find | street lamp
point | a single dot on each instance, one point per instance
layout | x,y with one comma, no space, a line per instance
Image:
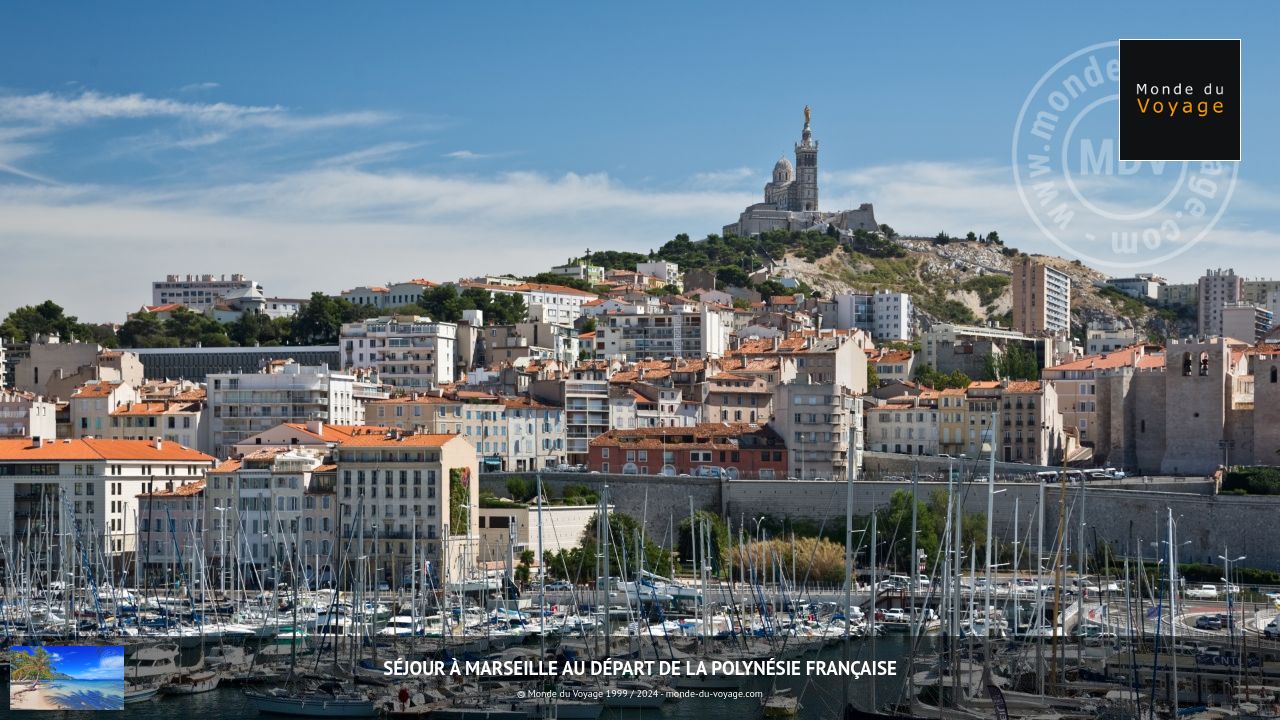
1226,570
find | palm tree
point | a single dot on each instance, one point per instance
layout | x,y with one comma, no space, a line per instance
33,666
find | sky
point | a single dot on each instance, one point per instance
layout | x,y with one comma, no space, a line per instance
85,662
323,146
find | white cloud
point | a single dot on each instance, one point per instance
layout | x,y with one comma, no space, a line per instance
110,667
197,87
469,155
733,179
51,110
365,156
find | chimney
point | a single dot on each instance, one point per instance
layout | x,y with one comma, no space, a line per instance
315,427
37,441
157,443
775,343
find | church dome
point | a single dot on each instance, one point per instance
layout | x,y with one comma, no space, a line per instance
782,171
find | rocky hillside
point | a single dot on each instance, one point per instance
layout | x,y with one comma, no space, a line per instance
968,282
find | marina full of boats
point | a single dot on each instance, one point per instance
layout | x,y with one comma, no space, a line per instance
1033,639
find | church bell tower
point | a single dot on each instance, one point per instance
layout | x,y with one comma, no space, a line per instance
806,183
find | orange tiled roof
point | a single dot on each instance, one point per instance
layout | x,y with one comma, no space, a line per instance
166,307
1023,386
1124,357
153,408
227,466
397,440
183,490
95,390
340,433
98,449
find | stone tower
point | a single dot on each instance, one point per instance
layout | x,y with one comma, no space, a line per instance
805,188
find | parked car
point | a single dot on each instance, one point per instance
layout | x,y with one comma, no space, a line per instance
1208,622
559,585
895,615
1272,630
1204,592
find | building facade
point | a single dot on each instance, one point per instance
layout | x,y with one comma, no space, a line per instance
405,351
245,404
1041,298
1215,290
198,292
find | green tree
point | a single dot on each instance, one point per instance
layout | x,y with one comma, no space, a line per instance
320,321
188,327
47,318
1015,363
873,377
521,488
894,527
141,330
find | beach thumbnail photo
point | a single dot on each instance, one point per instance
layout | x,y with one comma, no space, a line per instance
74,677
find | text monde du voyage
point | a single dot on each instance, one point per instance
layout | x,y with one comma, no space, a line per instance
1180,99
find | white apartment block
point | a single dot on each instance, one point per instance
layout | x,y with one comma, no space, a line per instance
891,313
667,272
507,532
24,414
391,295
198,292
508,433
691,330
1101,338
91,485
405,351
245,404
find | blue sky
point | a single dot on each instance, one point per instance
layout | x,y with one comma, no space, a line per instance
85,662
323,146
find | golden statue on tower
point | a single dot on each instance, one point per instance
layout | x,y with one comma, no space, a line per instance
806,114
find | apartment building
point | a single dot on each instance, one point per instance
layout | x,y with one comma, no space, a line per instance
1245,321
242,405
1030,427
732,450
393,487
1041,298
907,424
690,330
494,346
92,485
171,532
819,356
1215,290
55,369
24,414
391,295
255,515
198,292
737,398
508,433
584,394
405,351
817,421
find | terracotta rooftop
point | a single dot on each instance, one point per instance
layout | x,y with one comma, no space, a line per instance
340,433
98,449
1124,357
183,490
95,390
1023,386
397,440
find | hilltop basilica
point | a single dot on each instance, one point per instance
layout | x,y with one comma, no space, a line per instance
791,198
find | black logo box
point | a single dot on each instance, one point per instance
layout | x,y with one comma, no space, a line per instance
1187,68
